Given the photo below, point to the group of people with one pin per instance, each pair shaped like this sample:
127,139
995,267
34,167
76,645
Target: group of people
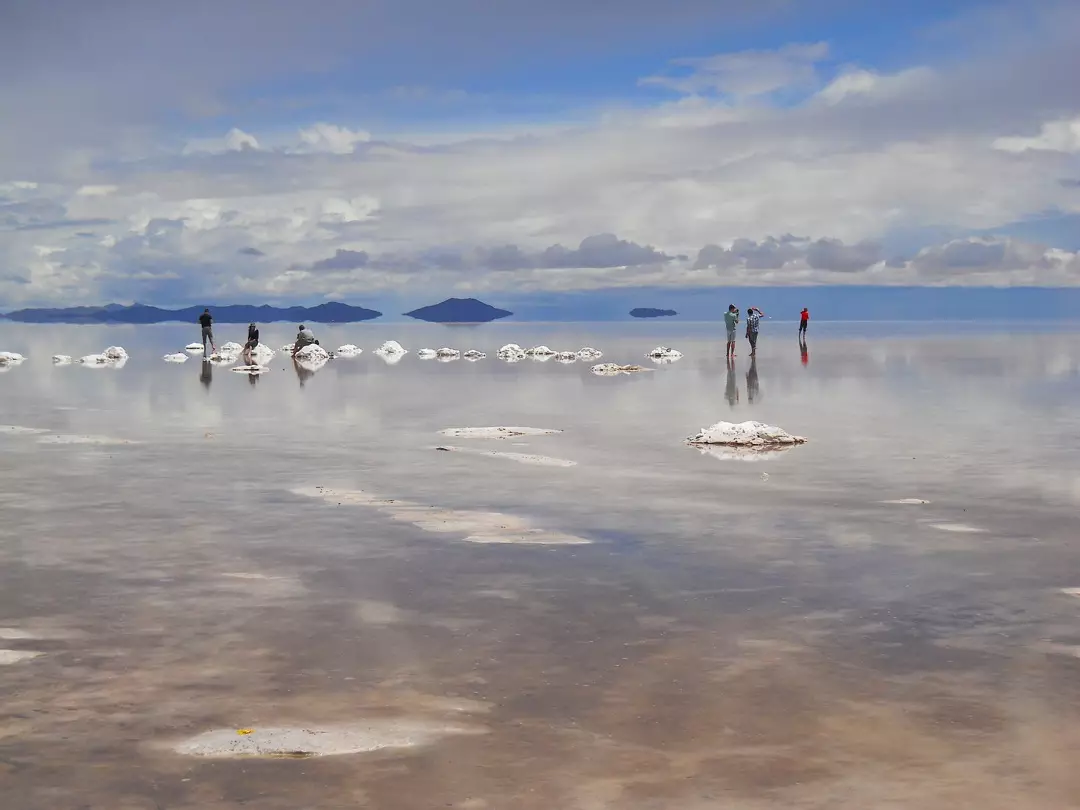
753,326
304,337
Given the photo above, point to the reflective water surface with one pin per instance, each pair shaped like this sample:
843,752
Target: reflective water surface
191,550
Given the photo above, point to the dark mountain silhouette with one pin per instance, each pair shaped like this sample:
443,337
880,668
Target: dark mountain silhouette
330,312
649,312
459,310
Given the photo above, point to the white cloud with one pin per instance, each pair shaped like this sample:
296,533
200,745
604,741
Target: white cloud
855,84
96,191
745,74
337,140
1054,136
235,140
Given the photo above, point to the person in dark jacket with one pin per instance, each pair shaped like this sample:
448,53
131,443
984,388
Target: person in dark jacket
206,320
252,343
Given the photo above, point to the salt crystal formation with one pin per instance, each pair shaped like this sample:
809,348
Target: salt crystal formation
427,354
193,348
61,359
745,434
179,357
312,352
472,355
662,354
262,354
511,352
446,355
348,350
540,353
566,357
589,353
614,369
112,357
391,347
10,358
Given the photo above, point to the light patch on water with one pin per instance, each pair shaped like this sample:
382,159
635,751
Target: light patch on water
15,634
1071,592
62,438
320,741
9,657
250,369
907,502
20,430
521,458
496,432
958,528
477,526
725,453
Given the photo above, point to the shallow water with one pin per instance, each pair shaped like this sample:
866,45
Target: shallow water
712,637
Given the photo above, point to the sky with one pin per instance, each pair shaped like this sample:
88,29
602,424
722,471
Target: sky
365,150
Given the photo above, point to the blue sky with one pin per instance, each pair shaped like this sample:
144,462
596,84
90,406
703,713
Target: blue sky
373,150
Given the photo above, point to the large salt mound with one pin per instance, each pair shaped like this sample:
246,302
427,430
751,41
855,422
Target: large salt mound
614,369
112,357
179,357
541,353
511,352
589,353
391,347
662,354
745,434
348,350
262,354
230,348
447,355
14,358
312,352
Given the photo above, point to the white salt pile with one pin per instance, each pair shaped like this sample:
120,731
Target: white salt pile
262,354
312,352
511,352
427,354
472,355
320,741
447,355
391,347
589,353
496,432
287,348
193,348
744,434
10,358
179,357
614,369
348,350
662,354
542,353
112,357
61,359
566,357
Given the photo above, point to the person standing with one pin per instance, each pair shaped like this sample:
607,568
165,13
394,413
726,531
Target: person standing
804,319
252,343
206,320
753,322
731,320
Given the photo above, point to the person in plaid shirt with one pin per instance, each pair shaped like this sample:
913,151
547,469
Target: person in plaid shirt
753,321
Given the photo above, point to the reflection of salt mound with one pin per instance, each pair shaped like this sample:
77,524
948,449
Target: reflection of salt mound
315,741
511,352
179,357
427,354
112,357
540,353
662,354
614,369
744,453
348,350
10,358
61,359
589,353
447,355
521,458
745,434
472,355
566,357
391,347
193,348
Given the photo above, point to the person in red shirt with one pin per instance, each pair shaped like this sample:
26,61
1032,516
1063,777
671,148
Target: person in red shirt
804,319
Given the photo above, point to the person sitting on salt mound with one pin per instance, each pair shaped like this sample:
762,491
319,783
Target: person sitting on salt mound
305,337
745,434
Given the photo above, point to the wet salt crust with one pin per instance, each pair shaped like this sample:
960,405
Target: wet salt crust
320,741
478,527
62,438
959,528
522,458
9,657
907,502
496,432
744,434
19,430
614,369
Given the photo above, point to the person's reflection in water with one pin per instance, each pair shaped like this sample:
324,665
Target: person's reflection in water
804,353
206,374
731,390
302,374
752,382
254,379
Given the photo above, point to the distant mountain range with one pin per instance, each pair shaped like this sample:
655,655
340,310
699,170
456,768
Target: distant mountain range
649,312
330,312
459,310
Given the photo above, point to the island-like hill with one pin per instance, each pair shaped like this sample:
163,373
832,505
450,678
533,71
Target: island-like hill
649,312
459,310
330,312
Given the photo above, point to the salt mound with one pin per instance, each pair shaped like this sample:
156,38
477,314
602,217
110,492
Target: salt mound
427,354
112,357
614,369
511,352
10,358
61,359
744,434
193,348
255,369
312,352
287,348
179,357
230,348
446,355
662,354
315,741
115,353
391,347
262,354
566,357
540,353
472,355
589,353
348,350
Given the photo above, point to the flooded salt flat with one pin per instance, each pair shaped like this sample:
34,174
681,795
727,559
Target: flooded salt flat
886,618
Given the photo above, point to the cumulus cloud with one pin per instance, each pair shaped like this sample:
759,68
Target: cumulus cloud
337,140
1054,136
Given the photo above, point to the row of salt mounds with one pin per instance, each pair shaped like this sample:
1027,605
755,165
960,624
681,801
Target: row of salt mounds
348,350
662,354
112,357
745,434
614,369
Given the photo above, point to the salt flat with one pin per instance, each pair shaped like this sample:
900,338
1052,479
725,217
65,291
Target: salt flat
890,613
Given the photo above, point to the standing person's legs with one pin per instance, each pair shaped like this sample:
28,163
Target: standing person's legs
753,343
